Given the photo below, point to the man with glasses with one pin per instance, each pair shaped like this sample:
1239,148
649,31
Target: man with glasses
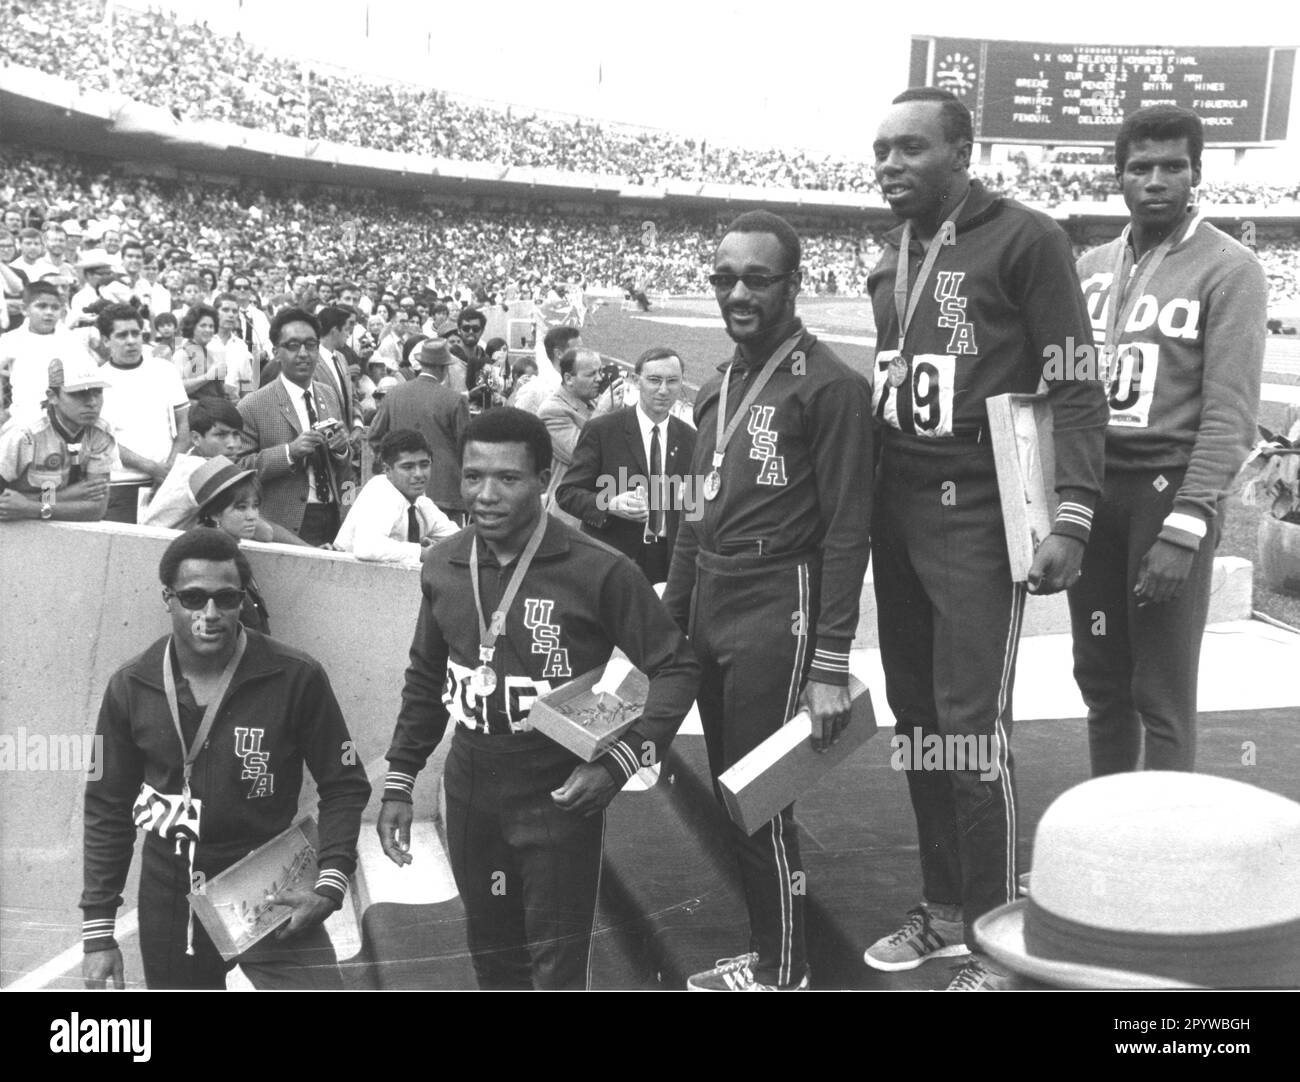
254,328
201,741
302,459
624,484
766,576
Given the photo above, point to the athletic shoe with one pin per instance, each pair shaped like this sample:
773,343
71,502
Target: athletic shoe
921,938
736,975
980,975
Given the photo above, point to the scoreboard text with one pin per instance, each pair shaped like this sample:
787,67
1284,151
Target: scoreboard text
1036,92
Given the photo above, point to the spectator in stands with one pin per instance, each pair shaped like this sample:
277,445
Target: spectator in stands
99,290
439,414
146,406
254,327
300,458
56,248
56,466
565,412
471,323
393,520
227,349
215,428
31,262
556,343
202,374
26,352
165,330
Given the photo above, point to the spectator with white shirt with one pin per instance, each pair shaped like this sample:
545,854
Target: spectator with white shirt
26,351
146,406
31,262
228,349
392,520
215,428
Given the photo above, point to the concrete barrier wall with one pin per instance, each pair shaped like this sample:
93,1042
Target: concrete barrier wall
76,602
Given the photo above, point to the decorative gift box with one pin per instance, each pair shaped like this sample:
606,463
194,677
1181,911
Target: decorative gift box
594,710
233,905
785,766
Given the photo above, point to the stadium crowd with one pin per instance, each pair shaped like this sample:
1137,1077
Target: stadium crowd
196,74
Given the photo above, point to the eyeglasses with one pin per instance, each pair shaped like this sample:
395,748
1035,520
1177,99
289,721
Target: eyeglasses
295,346
726,282
196,599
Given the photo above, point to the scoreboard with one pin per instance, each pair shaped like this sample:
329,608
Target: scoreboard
1075,95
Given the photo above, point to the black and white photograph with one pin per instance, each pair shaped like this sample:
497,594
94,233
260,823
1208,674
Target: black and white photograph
709,498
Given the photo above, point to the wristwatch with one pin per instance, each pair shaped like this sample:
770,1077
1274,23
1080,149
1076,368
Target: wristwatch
47,510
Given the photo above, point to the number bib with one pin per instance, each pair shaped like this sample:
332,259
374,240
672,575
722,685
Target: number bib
919,404
1131,383
516,697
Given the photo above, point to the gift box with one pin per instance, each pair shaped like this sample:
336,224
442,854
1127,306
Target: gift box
572,716
1020,430
785,765
232,905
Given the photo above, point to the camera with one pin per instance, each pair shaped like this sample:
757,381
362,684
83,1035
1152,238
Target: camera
327,426
609,374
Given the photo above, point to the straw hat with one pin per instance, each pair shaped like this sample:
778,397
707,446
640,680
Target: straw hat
1158,879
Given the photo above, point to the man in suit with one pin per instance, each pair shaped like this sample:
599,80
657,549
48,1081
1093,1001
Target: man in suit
438,413
302,464
569,407
624,482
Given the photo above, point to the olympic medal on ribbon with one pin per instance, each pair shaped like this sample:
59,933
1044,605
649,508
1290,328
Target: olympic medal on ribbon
712,484
897,370
483,681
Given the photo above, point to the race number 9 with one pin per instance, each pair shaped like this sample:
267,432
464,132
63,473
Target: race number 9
921,405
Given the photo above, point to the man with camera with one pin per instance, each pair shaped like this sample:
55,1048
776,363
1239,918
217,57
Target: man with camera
303,454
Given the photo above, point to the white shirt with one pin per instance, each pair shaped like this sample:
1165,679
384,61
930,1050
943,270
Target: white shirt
28,358
375,528
238,361
304,424
140,405
173,504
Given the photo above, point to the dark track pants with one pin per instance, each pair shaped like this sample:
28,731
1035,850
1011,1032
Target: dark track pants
528,872
1137,667
307,961
756,652
949,619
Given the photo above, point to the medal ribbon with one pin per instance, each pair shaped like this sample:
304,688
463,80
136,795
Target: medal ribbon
487,636
191,753
209,714
1120,295
904,307
723,436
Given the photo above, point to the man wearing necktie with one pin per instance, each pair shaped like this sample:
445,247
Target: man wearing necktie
392,520
300,459
625,482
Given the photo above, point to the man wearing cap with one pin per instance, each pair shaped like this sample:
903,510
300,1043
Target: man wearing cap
56,467
393,521
439,414
221,721
300,459
98,292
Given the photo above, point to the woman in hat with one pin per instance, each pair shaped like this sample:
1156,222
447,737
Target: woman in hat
202,374
230,499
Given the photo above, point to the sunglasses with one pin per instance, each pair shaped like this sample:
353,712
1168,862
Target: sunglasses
196,599
752,281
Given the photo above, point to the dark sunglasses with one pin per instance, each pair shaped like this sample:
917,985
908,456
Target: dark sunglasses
196,599
752,281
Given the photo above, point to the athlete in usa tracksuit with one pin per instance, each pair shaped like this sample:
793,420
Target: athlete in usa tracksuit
766,578
528,871
1183,394
1001,293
